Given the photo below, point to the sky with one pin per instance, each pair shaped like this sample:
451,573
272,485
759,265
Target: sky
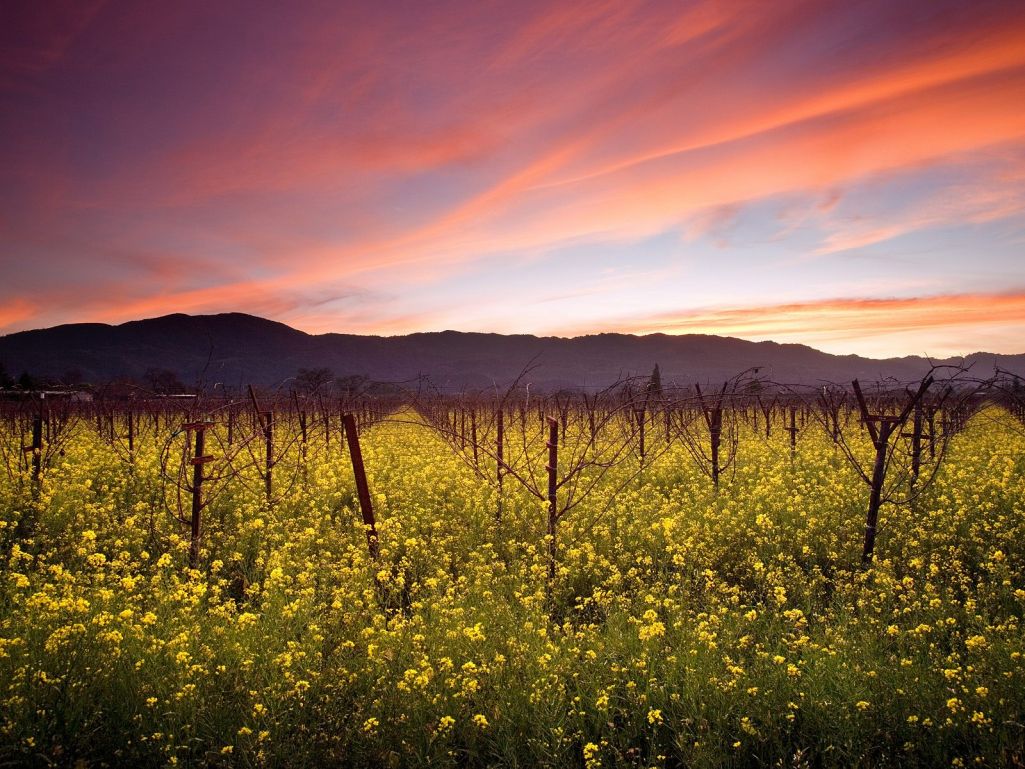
848,175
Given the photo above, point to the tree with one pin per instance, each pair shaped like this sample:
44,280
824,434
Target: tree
163,381
655,383
27,382
352,385
71,377
311,380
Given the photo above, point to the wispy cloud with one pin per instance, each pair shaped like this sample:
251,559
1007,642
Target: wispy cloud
387,152
15,313
835,321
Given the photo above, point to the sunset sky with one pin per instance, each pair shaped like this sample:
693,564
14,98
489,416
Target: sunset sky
850,175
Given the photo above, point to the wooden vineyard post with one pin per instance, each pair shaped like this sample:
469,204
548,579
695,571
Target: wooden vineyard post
473,436
916,444
302,416
793,430
766,409
713,419
639,413
327,424
500,454
199,458
932,432
553,487
36,449
362,488
266,422
131,437
302,443
715,434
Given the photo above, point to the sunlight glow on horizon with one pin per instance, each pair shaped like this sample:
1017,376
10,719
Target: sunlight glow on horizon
870,327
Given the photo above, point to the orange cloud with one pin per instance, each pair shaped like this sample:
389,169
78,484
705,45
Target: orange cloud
16,312
924,111
644,199
943,62
843,320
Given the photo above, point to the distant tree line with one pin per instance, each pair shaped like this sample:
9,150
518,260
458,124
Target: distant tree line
322,381
163,381
157,380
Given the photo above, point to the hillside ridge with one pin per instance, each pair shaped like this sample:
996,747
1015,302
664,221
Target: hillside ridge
236,348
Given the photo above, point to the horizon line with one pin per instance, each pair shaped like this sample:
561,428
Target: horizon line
568,337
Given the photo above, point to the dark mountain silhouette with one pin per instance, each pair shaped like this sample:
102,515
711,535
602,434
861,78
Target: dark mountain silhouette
234,348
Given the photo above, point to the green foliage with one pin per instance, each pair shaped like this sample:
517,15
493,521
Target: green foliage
690,628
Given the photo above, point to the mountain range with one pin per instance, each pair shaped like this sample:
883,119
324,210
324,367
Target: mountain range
235,348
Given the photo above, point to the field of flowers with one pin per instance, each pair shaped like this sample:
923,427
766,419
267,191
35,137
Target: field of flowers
684,627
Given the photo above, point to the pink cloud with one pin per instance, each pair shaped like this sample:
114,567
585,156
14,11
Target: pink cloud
375,150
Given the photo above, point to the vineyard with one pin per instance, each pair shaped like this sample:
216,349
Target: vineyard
745,574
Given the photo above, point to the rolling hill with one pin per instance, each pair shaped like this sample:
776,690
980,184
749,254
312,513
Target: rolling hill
235,348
